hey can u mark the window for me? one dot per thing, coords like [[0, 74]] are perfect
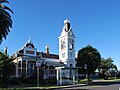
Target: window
[[63, 55], [71, 45], [63, 45], [29, 52]]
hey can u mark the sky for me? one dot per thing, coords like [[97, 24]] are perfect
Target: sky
[[94, 22]]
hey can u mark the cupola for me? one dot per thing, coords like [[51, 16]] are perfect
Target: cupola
[[29, 44]]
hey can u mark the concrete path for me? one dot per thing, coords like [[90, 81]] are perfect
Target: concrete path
[[96, 85]]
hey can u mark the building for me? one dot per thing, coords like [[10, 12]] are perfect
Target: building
[[67, 45], [25, 58]]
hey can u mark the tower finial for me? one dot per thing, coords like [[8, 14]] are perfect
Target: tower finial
[[66, 21], [29, 40]]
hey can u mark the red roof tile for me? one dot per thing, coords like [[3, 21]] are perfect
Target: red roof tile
[[52, 56]]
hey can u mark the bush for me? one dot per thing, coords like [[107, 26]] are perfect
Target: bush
[[101, 75], [28, 80], [14, 81], [118, 75], [48, 81]]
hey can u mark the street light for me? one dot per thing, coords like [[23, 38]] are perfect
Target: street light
[[85, 67]]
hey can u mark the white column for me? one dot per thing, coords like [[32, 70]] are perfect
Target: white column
[[73, 73], [16, 70], [57, 77], [37, 76], [26, 66], [60, 77], [33, 68]]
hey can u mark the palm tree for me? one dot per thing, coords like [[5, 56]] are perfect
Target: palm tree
[[5, 20]]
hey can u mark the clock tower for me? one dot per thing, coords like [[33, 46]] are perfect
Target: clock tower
[[67, 45]]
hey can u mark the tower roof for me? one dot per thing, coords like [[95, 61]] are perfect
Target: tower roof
[[66, 28], [66, 21]]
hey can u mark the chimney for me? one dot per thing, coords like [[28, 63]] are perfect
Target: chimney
[[47, 50], [5, 50]]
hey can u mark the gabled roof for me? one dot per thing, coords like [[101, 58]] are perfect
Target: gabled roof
[[52, 56]]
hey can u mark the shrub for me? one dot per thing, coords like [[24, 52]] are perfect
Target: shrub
[[14, 81], [28, 80], [118, 75]]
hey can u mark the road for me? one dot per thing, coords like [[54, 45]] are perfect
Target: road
[[96, 86], [108, 87]]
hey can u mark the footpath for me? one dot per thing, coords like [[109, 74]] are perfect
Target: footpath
[[94, 83]]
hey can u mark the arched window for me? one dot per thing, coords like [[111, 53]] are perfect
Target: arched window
[[71, 45], [63, 45]]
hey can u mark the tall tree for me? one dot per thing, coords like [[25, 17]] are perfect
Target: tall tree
[[105, 66], [6, 68], [5, 20], [89, 56]]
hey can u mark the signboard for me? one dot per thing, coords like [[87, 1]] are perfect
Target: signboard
[[39, 62]]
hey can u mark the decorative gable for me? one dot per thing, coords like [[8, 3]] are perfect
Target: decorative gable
[[29, 45], [29, 49]]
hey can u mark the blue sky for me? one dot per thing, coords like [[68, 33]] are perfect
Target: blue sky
[[94, 22]]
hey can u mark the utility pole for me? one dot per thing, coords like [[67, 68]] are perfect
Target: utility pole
[[38, 64], [38, 76], [85, 67]]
